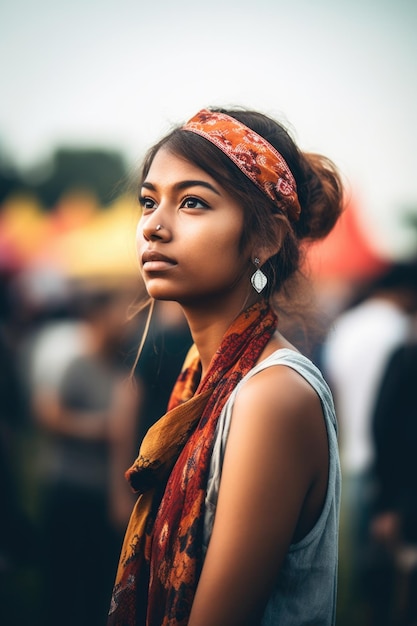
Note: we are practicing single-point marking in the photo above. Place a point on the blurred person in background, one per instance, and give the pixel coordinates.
(393, 526)
(87, 415)
(18, 533)
(354, 358)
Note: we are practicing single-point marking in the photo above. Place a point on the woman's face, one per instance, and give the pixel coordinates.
(195, 256)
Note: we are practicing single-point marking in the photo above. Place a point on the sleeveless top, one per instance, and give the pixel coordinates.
(305, 590)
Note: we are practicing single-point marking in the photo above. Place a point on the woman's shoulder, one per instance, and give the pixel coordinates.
(285, 369)
(279, 386)
(287, 374)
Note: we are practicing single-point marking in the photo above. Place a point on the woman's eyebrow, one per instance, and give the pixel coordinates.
(185, 184)
(148, 186)
(196, 183)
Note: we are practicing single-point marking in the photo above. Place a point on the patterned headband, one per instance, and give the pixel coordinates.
(252, 154)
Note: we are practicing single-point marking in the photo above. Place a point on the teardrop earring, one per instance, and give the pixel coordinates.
(258, 279)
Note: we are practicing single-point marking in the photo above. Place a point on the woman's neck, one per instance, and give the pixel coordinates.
(208, 326)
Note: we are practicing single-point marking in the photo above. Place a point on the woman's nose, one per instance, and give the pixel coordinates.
(154, 230)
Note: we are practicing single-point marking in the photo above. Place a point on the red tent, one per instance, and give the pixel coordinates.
(347, 252)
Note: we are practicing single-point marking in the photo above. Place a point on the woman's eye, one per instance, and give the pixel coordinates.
(193, 203)
(146, 203)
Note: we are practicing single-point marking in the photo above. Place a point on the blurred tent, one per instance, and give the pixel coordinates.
(23, 231)
(78, 239)
(101, 246)
(347, 253)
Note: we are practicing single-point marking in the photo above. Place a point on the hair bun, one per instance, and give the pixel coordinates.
(321, 197)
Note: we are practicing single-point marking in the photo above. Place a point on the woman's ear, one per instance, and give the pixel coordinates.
(265, 249)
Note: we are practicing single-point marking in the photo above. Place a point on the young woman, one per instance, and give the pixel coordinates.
(237, 518)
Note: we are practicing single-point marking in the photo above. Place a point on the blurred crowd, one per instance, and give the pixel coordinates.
(370, 360)
(72, 415)
(73, 411)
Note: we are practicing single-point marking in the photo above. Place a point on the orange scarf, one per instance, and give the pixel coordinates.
(161, 557)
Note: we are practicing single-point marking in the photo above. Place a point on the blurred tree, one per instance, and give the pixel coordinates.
(94, 170)
(10, 179)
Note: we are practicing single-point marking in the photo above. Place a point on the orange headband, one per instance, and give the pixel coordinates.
(252, 154)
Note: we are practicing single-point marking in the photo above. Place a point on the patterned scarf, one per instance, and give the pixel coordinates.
(162, 557)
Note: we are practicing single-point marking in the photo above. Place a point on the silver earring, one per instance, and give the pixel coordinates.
(258, 280)
(158, 227)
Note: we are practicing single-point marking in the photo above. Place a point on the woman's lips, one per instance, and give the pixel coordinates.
(153, 261)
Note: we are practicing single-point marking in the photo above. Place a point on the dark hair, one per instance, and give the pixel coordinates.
(318, 185)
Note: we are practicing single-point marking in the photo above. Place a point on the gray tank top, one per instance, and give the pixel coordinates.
(305, 590)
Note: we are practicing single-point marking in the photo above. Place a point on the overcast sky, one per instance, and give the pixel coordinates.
(118, 73)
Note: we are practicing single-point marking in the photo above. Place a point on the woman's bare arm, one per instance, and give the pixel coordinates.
(272, 489)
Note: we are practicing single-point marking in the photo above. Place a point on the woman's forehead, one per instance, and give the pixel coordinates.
(169, 166)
